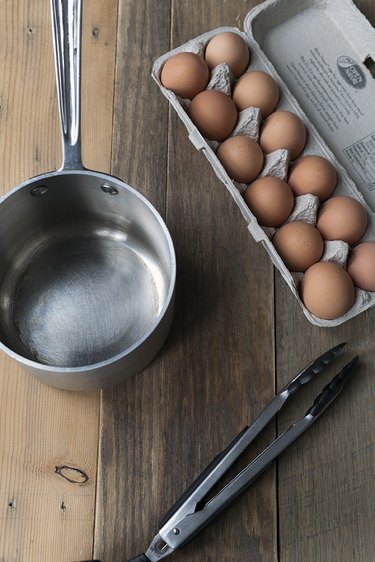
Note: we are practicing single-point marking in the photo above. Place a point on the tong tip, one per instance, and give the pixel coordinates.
(339, 347)
(314, 368)
(332, 389)
(347, 369)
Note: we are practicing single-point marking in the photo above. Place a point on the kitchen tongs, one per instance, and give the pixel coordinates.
(191, 513)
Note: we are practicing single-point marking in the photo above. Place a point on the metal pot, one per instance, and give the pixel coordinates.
(87, 265)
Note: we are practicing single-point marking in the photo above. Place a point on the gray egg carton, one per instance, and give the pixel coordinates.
(321, 53)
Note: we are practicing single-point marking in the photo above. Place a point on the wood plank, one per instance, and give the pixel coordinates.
(139, 128)
(216, 370)
(44, 516)
(29, 139)
(326, 481)
(139, 124)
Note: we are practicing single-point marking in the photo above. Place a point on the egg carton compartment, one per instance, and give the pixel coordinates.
(265, 28)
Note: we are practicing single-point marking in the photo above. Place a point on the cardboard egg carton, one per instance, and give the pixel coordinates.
(321, 54)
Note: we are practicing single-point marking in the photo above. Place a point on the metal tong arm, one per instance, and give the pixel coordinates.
(184, 524)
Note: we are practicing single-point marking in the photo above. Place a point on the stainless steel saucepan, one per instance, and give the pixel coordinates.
(87, 265)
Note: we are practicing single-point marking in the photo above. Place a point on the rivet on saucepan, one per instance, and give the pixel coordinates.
(40, 190)
(109, 189)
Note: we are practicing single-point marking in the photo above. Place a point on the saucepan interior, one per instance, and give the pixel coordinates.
(87, 269)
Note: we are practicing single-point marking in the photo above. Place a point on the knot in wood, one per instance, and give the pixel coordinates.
(72, 474)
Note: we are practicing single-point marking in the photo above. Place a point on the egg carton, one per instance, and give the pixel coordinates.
(306, 46)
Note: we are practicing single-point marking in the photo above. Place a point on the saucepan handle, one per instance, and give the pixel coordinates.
(66, 33)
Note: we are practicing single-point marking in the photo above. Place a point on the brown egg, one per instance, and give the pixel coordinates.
(186, 74)
(256, 89)
(313, 174)
(270, 200)
(342, 218)
(361, 266)
(241, 157)
(230, 48)
(214, 113)
(299, 245)
(283, 129)
(327, 290)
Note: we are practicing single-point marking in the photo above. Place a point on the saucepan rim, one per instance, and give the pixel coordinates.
(172, 277)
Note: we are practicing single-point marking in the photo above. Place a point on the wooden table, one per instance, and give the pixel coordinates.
(90, 475)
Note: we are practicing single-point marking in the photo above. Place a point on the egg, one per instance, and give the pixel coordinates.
(270, 199)
(241, 157)
(230, 48)
(214, 113)
(299, 245)
(313, 174)
(283, 129)
(327, 290)
(361, 266)
(256, 89)
(186, 74)
(342, 218)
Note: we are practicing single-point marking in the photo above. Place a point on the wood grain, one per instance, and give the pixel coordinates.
(326, 491)
(48, 438)
(367, 8)
(29, 129)
(128, 471)
(164, 426)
